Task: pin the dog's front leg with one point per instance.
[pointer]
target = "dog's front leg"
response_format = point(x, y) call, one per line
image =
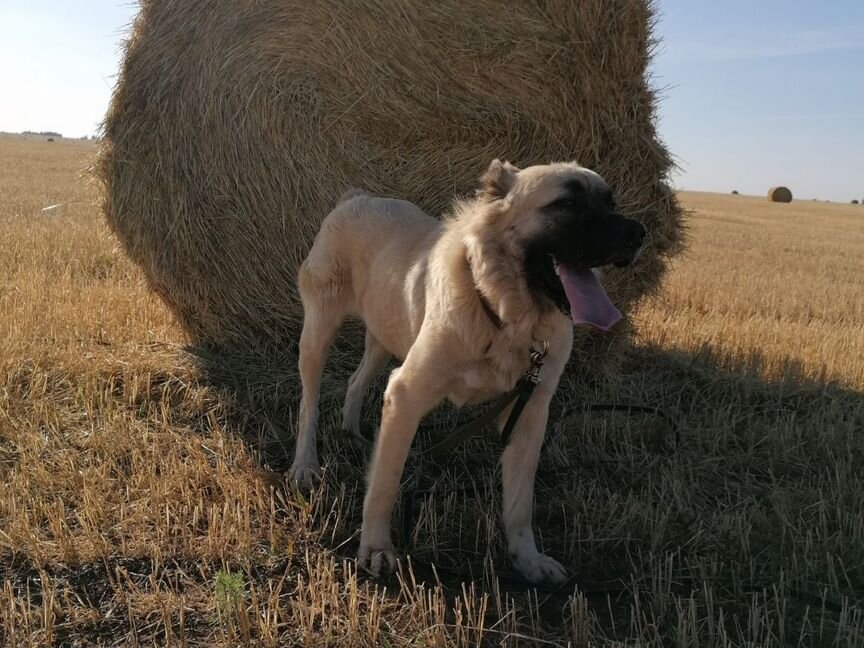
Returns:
point(518, 469)
point(413, 389)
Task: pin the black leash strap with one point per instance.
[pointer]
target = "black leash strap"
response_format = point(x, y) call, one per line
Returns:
point(520, 393)
point(630, 410)
point(525, 388)
point(474, 427)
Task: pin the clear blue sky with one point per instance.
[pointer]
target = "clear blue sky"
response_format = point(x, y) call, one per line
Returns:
point(765, 92)
point(758, 92)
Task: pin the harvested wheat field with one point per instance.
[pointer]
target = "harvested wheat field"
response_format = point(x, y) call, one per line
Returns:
point(144, 503)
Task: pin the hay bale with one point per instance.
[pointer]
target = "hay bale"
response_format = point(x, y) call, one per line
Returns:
point(780, 194)
point(235, 126)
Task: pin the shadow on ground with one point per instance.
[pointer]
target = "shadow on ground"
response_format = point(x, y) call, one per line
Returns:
point(749, 527)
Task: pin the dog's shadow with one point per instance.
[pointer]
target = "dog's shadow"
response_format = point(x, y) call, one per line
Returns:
point(757, 492)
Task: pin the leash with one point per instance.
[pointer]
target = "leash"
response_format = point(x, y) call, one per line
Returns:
point(520, 394)
point(512, 581)
point(519, 397)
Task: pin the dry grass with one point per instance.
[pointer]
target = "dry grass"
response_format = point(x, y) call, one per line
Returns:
point(142, 504)
point(781, 285)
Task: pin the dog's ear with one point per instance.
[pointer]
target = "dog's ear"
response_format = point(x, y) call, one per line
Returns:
point(498, 180)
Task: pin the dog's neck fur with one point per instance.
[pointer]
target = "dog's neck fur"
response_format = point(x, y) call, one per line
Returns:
point(487, 307)
point(496, 268)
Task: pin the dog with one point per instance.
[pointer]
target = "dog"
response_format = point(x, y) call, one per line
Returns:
point(461, 302)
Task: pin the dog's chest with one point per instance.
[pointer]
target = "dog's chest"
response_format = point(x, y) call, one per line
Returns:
point(489, 376)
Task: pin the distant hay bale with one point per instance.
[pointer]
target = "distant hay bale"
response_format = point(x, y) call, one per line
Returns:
point(235, 126)
point(50, 139)
point(854, 201)
point(734, 192)
point(780, 194)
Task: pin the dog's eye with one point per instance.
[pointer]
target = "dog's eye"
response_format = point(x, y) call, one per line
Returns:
point(562, 203)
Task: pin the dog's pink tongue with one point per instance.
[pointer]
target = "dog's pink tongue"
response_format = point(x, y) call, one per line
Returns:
point(589, 303)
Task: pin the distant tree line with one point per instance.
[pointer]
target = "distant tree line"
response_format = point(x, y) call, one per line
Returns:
point(42, 133)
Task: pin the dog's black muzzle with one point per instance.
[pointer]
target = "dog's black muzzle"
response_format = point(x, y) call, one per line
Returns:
point(616, 240)
point(632, 238)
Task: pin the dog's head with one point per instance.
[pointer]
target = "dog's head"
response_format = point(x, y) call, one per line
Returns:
point(566, 222)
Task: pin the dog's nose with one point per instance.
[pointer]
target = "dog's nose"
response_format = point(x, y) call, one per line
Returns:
point(634, 234)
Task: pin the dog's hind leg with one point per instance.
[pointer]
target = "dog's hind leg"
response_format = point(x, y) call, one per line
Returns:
point(322, 319)
point(375, 358)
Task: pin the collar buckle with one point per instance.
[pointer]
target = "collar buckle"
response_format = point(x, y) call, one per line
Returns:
point(533, 372)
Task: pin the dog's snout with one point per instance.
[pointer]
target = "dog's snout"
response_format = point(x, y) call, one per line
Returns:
point(634, 234)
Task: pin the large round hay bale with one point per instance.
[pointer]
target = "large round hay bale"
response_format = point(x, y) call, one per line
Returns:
point(780, 194)
point(235, 126)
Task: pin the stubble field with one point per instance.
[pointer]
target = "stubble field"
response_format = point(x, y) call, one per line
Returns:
point(144, 503)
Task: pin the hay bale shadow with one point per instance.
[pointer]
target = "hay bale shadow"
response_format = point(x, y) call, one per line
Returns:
point(636, 521)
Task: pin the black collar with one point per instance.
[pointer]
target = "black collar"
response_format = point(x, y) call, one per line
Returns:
point(487, 308)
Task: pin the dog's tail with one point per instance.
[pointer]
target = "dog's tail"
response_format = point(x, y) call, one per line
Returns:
point(353, 192)
point(322, 273)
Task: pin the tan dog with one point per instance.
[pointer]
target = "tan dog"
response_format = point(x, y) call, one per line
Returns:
point(460, 302)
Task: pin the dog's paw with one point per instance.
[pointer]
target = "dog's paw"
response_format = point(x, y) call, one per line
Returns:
point(305, 473)
point(539, 568)
point(377, 560)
